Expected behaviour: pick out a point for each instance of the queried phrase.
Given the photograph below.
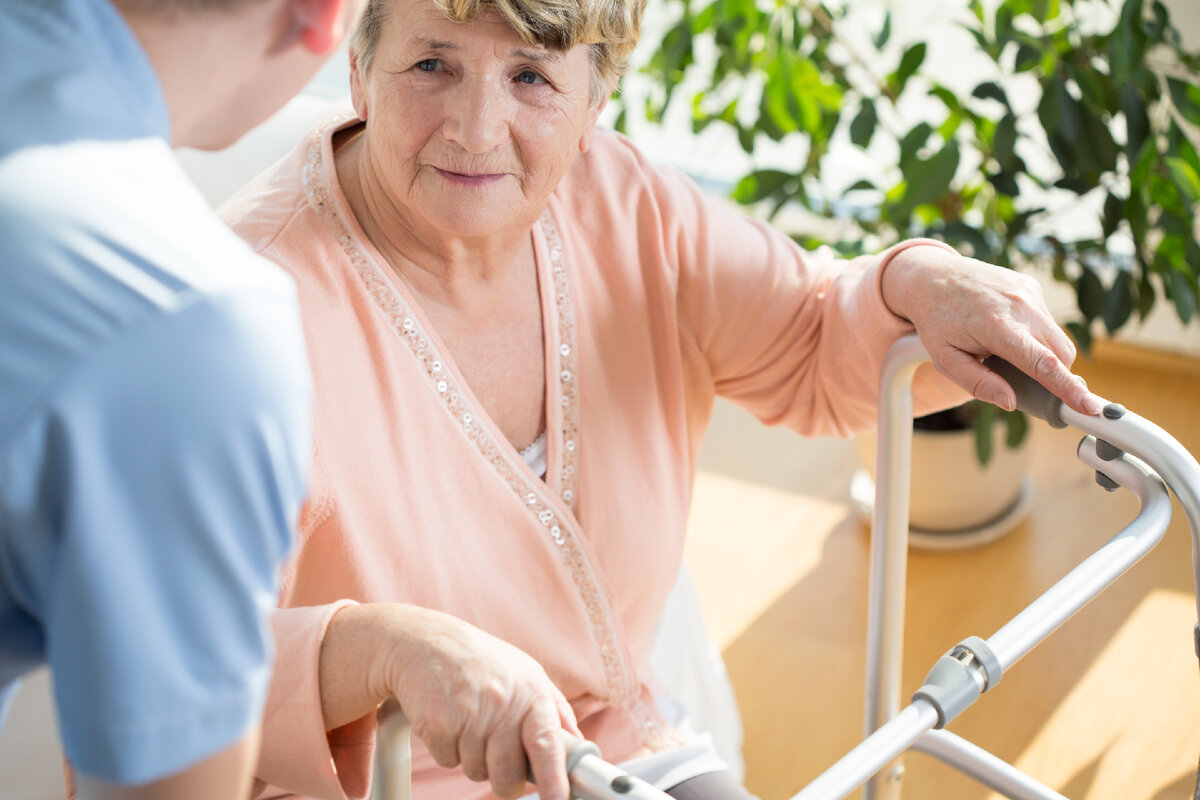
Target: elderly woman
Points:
(517, 328)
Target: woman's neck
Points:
(451, 270)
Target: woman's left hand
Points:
(965, 310)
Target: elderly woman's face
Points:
(469, 128)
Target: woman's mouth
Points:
(469, 179)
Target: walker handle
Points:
(592, 778)
(1032, 397)
(575, 748)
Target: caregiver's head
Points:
(474, 109)
(253, 56)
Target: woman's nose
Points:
(478, 117)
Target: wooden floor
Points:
(1107, 709)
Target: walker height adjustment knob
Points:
(1108, 451)
(959, 677)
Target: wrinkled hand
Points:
(470, 697)
(965, 310)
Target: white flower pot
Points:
(955, 501)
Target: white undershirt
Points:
(535, 455)
(696, 756)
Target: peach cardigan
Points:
(656, 298)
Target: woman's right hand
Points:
(471, 698)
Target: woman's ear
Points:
(358, 94)
(323, 23)
(585, 140)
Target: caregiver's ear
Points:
(323, 24)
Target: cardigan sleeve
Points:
(298, 755)
(796, 337)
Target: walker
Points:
(1124, 449)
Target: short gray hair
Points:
(610, 29)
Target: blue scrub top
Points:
(154, 411)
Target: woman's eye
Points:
(529, 76)
(429, 65)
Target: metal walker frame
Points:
(1124, 449)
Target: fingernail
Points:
(1092, 404)
(1006, 401)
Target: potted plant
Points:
(1073, 153)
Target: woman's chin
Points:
(477, 223)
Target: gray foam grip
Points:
(577, 748)
(1032, 397)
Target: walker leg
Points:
(392, 775)
(889, 554)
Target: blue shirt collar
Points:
(73, 70)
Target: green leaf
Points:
(1078, 138)
(1028, 57)
(1118, 304)
(1137, 121)
(913, 141)
(1183, 294)
(910, 62)
(1171, 253)
(1186, 99)
(1003, 22)
(1089, 294)
(863, 126)
(1006, 142)
(959, 234)
(1146, 292)
(780, 112)
(953, 104)
(1017, 425)
(860, 186)
(811, 93)
(1184, 177)
(1166, 194)
(1021, 221)
(1182, 146)
(1127, 45)
(1142, 171)
(1081, 335)
(759, 185)
(929, 180)
(1092, 85)
(886, 33)
(1052, 108)
(985, 45)
(983, 431)
(950, 127)
(1114, 211)
(1044, 10)
(1005, 183)
(620, 125)
(989, 90)
(746, 138)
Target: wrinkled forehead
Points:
(422, 25)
